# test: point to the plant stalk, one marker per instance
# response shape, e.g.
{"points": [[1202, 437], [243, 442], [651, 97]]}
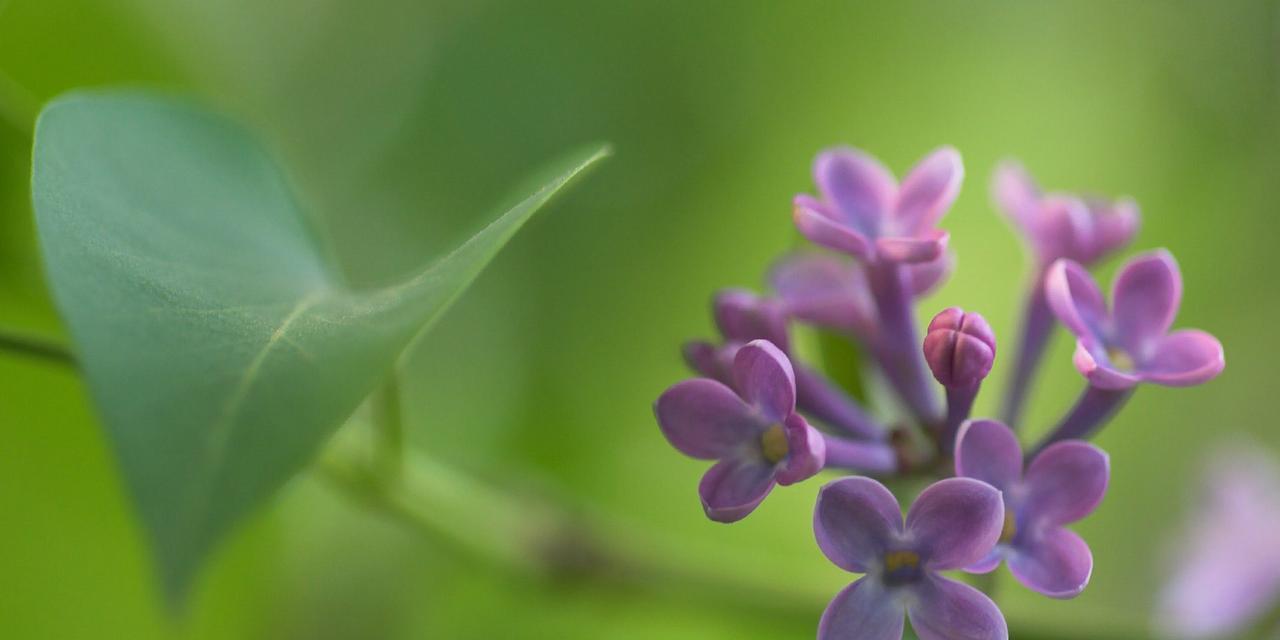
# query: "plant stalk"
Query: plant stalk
{"points": [[32, 346]]}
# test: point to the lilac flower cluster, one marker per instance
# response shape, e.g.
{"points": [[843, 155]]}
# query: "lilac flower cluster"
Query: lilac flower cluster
{"points": [[769, 419]]}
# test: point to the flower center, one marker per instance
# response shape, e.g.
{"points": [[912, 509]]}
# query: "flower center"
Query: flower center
{"points": [[774, 443], [1120, 359], [1010, 528], [901, 567]]}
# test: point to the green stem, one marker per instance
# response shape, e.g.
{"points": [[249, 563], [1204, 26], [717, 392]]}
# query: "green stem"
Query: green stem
{"points": [[36, 347], [440, 503], [542, 539], [388, 420]]}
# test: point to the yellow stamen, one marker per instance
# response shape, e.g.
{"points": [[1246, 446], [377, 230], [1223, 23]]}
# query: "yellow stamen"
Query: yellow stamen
{"points": [[1010, 528], [895, 560], [774, 443], [1120, 359]]}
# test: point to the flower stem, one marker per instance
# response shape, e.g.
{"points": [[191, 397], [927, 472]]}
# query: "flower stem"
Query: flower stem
{"points": [[959, 406], [1037, 327], [862, 457], [821, 398], [33, 346], [1094, 408], [899, 348]]}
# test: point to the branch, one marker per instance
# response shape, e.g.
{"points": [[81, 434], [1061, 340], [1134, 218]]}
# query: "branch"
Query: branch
{"points": [[36, 347]]}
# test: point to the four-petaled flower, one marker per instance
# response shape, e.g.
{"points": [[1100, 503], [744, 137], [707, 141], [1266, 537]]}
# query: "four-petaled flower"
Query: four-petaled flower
{"points": [[1060, 225], [952, 524], [864, 212], [1063, 484], [757, 436], [1131, 343]]}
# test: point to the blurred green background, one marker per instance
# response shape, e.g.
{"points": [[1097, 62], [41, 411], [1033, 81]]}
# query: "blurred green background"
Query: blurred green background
{"points": [[399, 121]]}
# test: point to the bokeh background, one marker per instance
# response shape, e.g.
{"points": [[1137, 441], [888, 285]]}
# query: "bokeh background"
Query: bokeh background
{"points": [[400, 121]]}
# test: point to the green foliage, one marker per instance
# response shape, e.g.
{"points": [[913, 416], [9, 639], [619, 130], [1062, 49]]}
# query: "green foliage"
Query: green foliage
{"points": [[219, 340]]}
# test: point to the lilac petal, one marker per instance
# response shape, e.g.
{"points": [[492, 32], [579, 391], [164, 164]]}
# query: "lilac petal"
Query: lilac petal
{"points": [[1062, 228], [1098, 370], [948, 610], [1146, 295], [855, 521], [806, 451], [914, 250], [928, 191], [1056, 563], [743, 316], [732, 488], [987, 450], [988, 563], [824, 289], [1075, 299], [710, 361], [926, 276], [1016, 193], [864, 610], [1065, 482], [858, 185], [1184, 358], [822, 229], [763, 375], [705, 419], [955, 522], [1114, 225]]}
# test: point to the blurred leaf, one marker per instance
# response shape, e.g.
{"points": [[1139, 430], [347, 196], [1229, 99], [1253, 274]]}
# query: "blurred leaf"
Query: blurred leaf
{"points": [[219, 340]]}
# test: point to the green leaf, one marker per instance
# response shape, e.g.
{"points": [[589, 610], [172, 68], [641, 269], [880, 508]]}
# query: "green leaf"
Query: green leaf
{"points": [[216, 334]]}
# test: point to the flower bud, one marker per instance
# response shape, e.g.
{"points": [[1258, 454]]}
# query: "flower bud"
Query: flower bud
{"points": [[743, 316], [959, 347]]}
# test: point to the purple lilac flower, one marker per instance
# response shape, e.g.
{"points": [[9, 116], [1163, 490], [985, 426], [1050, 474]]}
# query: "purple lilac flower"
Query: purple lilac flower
{"points": [[960, 349], [864, 212], [1061, 485], [831, 291], [1058, 225], [952, 524], [1054, 226], [743, 316], [1228, 564], [755, 434], [1130, 343]]}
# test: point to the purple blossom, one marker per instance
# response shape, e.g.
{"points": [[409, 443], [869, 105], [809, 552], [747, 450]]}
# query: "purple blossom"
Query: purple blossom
{"points": [[1228, 564], [863, 211], [743, 316], [831, 291], [1061, 485], [1131, 343], [1054, 226], [755, 434], [952, 524], [1062, 225]]}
